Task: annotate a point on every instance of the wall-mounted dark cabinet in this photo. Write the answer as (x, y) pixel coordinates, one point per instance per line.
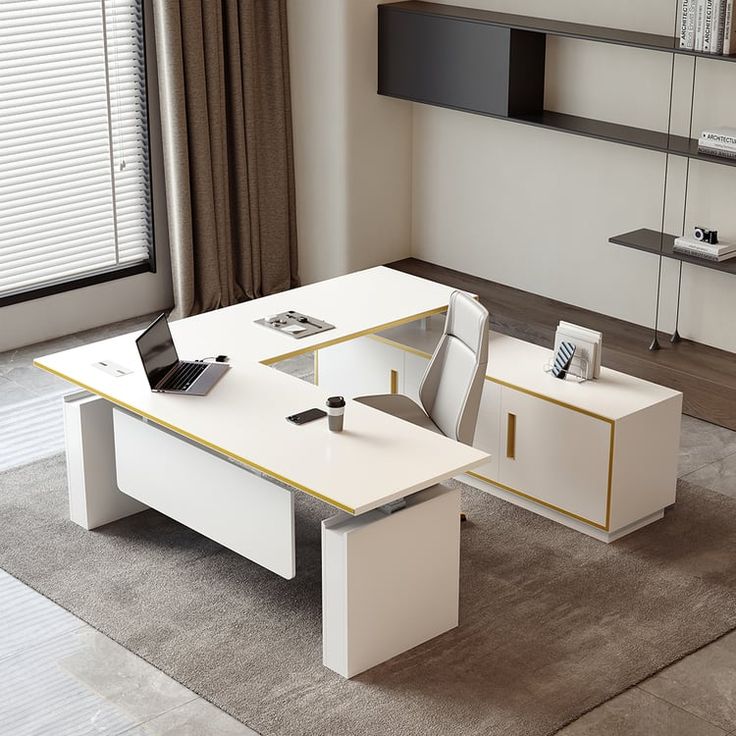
(492, 64)
(460, 63)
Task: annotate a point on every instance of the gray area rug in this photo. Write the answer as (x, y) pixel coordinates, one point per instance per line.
(552, 622)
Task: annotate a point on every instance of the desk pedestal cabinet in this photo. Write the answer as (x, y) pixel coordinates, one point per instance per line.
(389, 581)
(600, 457)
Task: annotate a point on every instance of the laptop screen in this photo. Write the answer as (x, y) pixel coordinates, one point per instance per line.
(157, 351)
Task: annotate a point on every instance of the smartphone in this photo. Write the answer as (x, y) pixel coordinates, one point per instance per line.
(307, 416)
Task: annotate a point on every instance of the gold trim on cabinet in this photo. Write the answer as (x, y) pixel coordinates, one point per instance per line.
(610, 474)
(558, 509)
(511, 436)
(394, 381)
(199, 440)
(316, 367)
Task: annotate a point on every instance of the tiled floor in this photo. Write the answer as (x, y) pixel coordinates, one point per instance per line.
(59, 676)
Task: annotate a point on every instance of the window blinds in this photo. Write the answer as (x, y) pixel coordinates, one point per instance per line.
(74, 168)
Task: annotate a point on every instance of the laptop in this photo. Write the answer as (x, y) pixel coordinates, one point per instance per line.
(165, 372)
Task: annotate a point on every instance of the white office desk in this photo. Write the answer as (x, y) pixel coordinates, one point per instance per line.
(176, 453)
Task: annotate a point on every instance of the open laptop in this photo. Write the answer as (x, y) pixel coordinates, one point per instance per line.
(165, 372)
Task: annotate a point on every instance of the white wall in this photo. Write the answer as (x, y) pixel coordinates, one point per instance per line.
(534, 208)
(62, 314)
(352, 148)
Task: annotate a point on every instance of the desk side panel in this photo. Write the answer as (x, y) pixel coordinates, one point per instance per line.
(646, 452)
(211, 495)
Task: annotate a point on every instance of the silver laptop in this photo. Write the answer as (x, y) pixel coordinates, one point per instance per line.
(168, 374)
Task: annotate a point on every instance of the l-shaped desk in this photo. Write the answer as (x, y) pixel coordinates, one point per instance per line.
(227, 464)
(600, 457)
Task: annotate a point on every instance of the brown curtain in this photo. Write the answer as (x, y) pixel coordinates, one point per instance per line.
(223, 71)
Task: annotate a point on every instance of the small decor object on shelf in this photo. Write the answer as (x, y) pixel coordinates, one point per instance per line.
(704, 249)
(704, 235)
(588, 345)
(718, 142)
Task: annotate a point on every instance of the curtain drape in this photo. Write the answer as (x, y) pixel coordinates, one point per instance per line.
(223, 72)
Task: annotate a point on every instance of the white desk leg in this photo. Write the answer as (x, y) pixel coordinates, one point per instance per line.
(94, 498)
(389, 582)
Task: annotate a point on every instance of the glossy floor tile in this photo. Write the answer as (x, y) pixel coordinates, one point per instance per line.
(81, 682)
(196, 718)
(31, 429)
(637, 713)
(703, 683)
(27, 619)
(719, 476)
(702, 443)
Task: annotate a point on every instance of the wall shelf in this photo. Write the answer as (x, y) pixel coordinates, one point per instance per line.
(649, 241)
(550, 27)
(493, 64)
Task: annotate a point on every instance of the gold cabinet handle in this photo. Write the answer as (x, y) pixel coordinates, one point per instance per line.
(511, 436)
(394, 382)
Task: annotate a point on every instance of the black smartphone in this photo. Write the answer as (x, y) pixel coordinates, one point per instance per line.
(307, 416)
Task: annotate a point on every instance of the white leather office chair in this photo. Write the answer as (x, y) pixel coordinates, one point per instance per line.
(452, 385)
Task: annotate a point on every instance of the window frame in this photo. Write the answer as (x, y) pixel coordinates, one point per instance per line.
(122, 272)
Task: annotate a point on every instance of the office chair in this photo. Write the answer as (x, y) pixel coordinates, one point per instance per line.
(452, 385)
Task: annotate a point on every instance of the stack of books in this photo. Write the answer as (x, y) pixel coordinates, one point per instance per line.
(708, 26)
(717, 252)
(586, 362)
(718, 142)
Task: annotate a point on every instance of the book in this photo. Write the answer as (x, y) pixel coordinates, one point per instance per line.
(724, 136)
(729, 30)
(717, 26)
(720, 152)
(704, 256)
(718, 252)
(711, 248)
(687, 24)
(708, 26)
(699, 24)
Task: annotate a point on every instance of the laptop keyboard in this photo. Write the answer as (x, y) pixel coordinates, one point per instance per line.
(184, 376)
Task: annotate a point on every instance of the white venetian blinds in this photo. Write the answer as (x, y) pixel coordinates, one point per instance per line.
(74, 169)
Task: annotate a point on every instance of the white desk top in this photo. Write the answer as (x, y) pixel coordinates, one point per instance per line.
(520, 364)
(376, 459)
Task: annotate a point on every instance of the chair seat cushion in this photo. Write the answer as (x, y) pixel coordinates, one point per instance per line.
(402, 407)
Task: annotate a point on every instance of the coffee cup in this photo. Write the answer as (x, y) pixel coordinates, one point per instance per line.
(335, 413)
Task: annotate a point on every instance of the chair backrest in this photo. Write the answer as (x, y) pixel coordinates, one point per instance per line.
(452, 385)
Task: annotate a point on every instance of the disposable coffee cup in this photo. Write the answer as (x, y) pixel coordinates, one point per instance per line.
(335, 412)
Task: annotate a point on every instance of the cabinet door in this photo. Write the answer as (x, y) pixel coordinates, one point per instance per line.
(487, 431)
(555, 454)
(360, 367)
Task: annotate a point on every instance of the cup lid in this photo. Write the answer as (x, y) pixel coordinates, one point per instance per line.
(334, 402)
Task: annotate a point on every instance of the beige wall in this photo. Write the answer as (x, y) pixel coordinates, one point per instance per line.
(352, 148)
(534, 208)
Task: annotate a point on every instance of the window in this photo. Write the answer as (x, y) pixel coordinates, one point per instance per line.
(75, 199)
